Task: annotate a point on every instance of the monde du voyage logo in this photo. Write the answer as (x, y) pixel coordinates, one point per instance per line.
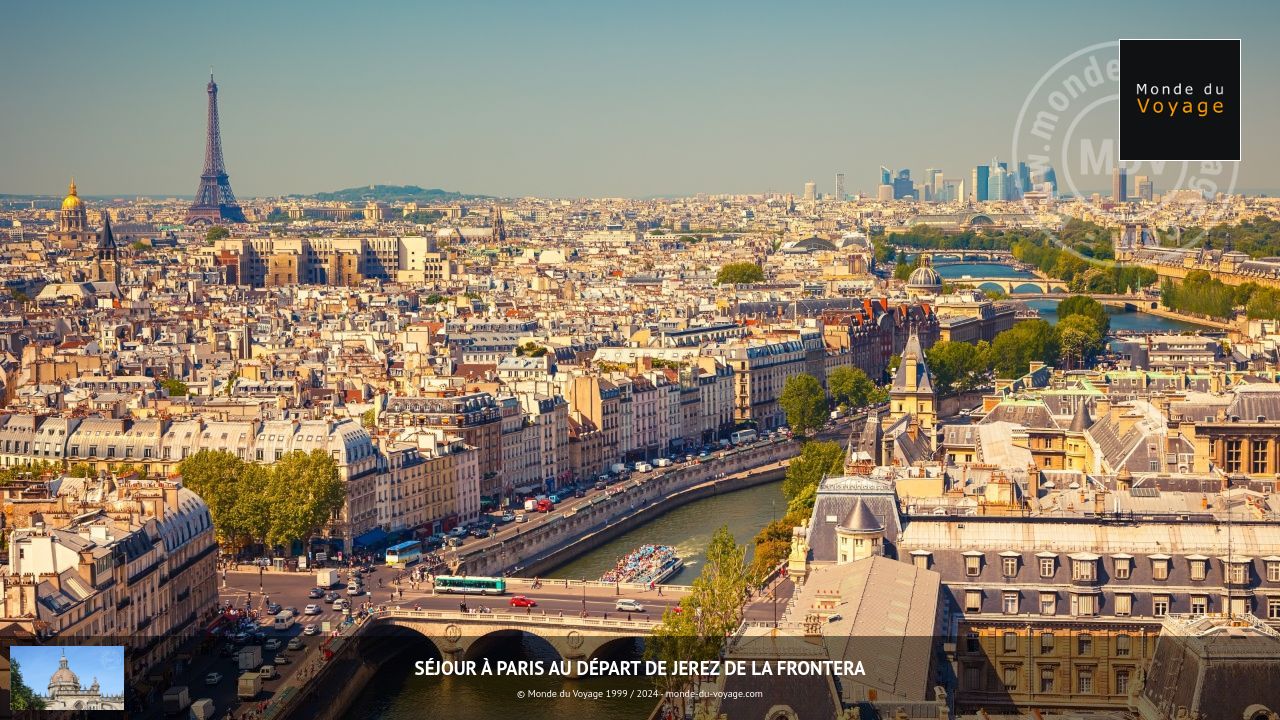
(1180, 100)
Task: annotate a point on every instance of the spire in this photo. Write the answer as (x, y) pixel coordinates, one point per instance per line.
(861, 519)
(71, 189)
(106, 238)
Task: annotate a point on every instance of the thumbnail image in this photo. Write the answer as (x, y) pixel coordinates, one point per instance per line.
(51, 677)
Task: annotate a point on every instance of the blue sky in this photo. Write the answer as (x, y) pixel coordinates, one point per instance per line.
(558, 98)
(39, 663)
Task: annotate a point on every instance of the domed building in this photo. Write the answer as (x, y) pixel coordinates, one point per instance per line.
(66, 693)
(924, 280)
(73, 231)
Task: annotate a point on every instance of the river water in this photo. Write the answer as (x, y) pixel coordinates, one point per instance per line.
(396, 694)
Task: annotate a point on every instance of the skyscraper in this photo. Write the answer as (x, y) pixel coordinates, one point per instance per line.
(810, 191)
(1143, 188)
(998, 184)
(1051, 177)
(981, 178)
(1119, 185)
(886, 177)
(839, 186)
(902, 185)
(1024, 177)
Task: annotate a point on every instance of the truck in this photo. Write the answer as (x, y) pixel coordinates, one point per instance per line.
(249, 658)
(663, 462)
(617, 468)
(202, 709)
(643, 467)
(544, 505)
(176, 700)
(530, 505)
(326, 578)
(249, 686)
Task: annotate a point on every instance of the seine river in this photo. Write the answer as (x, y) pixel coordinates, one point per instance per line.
(396, 694)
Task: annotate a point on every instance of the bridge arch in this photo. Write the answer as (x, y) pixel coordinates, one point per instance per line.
(992, 285)
(1026, 287)
(628, 648)
(512, 642)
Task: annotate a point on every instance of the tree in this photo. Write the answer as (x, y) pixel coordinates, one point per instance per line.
(21, 696)
(222, 480)
(1088, 307)
(215, 233)
(957, 365)
(435, 299)
(175, 387)
(804, 402)
(1079, 338)
(742, 273)
(369, 419)
(304, 491)
(1015, 348)
(850, 387)
(815, 461)
(711, 611)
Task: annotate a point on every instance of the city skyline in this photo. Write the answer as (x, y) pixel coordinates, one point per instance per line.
(512, 101)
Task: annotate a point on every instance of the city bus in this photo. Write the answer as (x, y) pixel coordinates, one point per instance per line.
(743, 436)
(406, 553)
(471, 585)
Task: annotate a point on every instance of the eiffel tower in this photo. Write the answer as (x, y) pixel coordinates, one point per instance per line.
(214, 200)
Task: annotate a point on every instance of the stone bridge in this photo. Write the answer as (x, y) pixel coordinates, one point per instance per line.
(468, 636)
(1014, 286)
(942, 257)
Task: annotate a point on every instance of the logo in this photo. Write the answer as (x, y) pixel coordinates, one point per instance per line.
(1067, 131)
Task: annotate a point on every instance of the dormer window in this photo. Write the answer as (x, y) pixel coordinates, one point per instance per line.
(1084, 567)
(972, 563)
(1199, 565)
(1160, 567)
(1009, 564)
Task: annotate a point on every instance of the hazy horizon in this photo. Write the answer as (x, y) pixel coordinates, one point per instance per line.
(564, 100)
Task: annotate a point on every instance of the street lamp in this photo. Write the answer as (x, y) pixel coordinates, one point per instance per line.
(584, 597)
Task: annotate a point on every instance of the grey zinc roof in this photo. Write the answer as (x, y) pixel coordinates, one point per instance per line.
(861, 519)
(900, 379)
(836, 498)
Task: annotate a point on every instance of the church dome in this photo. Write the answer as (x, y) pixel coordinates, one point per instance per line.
(72, 201)
(924, 276)
(63, 678)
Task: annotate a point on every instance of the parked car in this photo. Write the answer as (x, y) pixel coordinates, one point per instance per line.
(267, 672)
(520, 518)
(508, 517)
(628, 605)
(315, 593)
(272, 644)
(311, 610)
(310, 630)
(213, 678)
(330, 597)
(295, 644)
(273, 608)
(281, 660)
(522, 601)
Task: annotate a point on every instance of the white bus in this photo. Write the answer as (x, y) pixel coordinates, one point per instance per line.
(742, 437)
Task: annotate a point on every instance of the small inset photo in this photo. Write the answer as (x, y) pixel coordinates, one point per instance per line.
(56, 677)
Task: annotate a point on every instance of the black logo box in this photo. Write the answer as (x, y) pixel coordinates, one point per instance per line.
(1185, 64)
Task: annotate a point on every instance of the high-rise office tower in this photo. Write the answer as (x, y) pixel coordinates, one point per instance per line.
(1119, 185)
(810, 191)
(886, 177)
(1143, 188)
(938, 183)
(998, 184)
(902, 185)
(1024, 178)
(1051, 177)
(839, 187)
(980, 181)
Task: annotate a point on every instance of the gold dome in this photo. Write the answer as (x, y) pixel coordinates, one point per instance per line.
(71, 201)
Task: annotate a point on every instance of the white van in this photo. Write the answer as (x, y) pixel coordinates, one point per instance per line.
(284, 620)
(354, 588)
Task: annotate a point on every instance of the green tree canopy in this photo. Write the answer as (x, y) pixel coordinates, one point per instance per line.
(711, 611)
(1015, 348)
(804, 402)
(1087, 306)
(175, 387)
(1080, 339)
(958, 365)
(217, 232)
(852, 388)
(816, 460)
(741, 273)
(21, 696)
(276, 504)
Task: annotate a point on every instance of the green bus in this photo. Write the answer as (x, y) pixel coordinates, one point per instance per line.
(471, 585)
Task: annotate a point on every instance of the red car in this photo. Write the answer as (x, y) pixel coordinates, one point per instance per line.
(522, 601)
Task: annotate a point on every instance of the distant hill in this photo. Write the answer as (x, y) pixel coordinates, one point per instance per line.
(393, 193)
